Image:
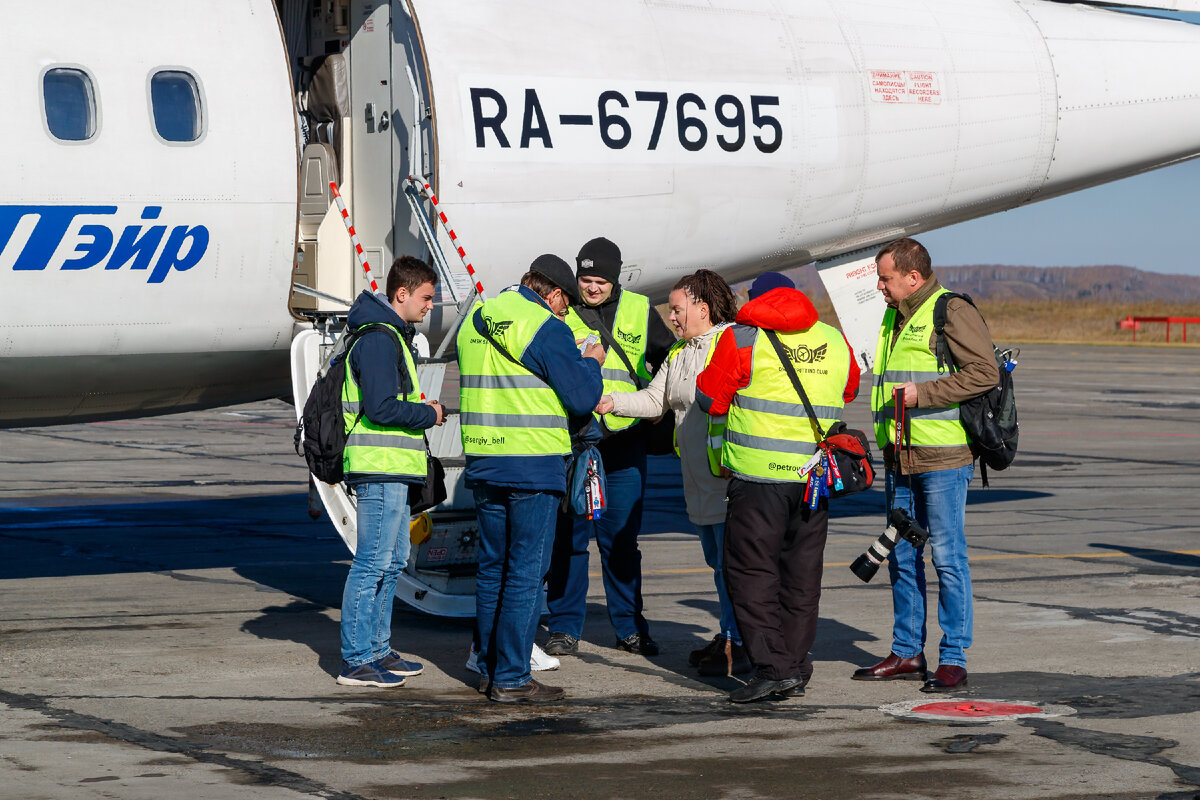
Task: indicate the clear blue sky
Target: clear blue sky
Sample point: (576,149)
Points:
(1147,221)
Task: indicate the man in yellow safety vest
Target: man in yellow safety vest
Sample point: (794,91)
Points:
(635,337)
(522,380)
(929,469)
(385,421)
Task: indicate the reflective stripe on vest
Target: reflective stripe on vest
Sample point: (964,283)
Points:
(378,449)
(911,360)
(630,329)
(769,435)
(715,438)
(506,409)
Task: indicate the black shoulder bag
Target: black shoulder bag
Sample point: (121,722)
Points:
(659,436)
(847,446)
(990,419)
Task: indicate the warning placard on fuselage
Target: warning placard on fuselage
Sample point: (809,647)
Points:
(905,86)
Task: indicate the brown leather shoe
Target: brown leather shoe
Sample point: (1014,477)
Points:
(894,668)
(532,692)
(946,679)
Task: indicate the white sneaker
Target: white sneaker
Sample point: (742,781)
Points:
(538,661)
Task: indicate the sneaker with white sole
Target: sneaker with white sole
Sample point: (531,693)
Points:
(538,661)
(396,664)
(369,674)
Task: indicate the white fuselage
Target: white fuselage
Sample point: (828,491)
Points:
(141,276)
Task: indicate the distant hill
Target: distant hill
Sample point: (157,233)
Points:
(1108,284)
(1100,284)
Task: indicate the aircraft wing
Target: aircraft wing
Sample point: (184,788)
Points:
(1189,6)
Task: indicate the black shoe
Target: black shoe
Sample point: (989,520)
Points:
(795,691)
(716,645)
(561,644)
(760,687)
(532,692)
(731,659)
(639,643)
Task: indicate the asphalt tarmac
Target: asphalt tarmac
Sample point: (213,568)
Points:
(168,628)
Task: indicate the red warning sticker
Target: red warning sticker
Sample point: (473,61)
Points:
(905,86)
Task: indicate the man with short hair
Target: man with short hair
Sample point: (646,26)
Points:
(522,379)
(927,473)
(384,457)
(775,530)
(635,330)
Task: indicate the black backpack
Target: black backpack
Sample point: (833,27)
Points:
(321,432)
(991,418)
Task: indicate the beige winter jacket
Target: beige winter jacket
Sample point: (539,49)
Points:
(674,387)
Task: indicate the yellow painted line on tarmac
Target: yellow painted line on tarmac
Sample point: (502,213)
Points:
(994,557)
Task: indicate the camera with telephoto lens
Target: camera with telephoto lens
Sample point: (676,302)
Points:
(900,526)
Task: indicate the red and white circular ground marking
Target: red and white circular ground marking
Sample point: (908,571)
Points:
(972,710)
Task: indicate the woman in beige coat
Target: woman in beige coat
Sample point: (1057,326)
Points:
(702,305)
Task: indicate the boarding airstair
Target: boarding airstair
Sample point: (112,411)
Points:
(440,575)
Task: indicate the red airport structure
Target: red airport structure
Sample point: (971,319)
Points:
(1135,323)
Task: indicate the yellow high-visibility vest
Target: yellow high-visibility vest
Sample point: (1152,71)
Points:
(769,435)
(630,330)
(506,409)
(377,449)
(911,359)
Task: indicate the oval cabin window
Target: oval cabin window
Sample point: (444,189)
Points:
(70,104)
(175,101)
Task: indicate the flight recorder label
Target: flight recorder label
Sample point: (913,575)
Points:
(905,86)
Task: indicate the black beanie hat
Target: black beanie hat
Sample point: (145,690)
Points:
(601,258)
(559,273)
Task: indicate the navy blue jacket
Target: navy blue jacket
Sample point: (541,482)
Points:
(381,377)
(554,357)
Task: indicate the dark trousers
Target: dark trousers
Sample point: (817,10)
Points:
(774,545)
(616,535)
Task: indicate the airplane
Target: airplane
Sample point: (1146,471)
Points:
(170,239)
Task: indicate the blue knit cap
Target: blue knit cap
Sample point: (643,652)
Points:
(768,281)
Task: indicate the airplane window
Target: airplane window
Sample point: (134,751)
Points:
(70,104)
(175,99)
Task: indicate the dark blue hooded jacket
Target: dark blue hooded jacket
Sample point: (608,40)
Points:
(554,357)
(381,377)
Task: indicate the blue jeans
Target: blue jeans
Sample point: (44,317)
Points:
(382,552)
(616,535)
(712,540)
(938,502)
(516,528)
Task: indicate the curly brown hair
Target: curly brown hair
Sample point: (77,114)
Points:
(706,286)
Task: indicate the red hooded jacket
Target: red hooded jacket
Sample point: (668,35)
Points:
(784,310)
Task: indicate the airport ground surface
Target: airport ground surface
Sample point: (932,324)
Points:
(169,628)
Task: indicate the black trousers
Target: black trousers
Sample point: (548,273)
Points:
(774,546)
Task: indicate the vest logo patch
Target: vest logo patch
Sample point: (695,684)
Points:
(628,338)
(915,333)
(497,329)
(801,354)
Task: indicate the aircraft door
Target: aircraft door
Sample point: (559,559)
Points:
(412,125)
(371,180)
